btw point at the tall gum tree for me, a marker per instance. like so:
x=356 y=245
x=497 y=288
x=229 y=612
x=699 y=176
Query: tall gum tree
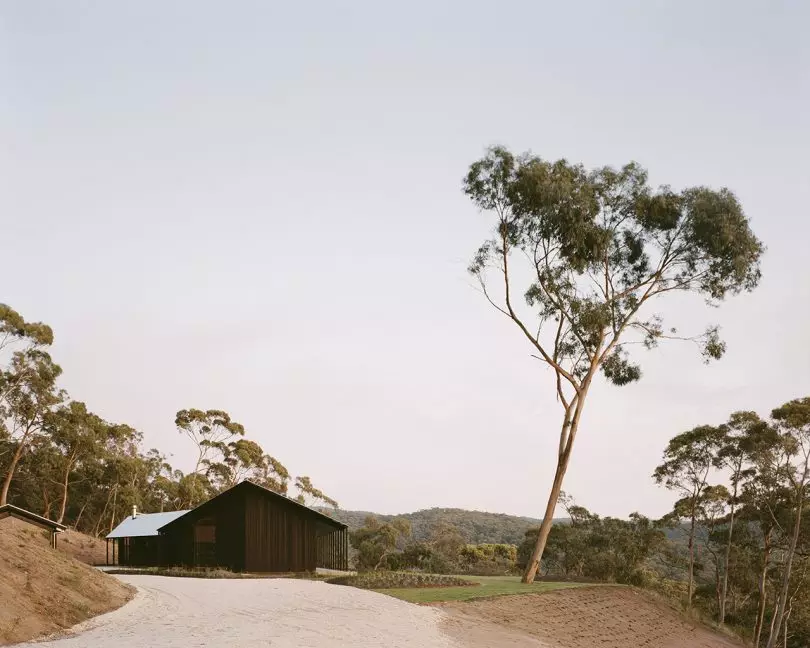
x=589 y=252
x=745 y=433
x=209 y=430
x=793 y=421
x=688 y=460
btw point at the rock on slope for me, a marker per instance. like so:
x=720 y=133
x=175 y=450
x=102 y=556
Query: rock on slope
x=42 y=590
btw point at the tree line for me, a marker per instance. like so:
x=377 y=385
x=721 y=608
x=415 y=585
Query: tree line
x=61 y=460
x=744 y=487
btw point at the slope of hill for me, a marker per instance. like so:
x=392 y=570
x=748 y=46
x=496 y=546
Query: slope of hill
x=42 y=590
x=84 y=548
x=604 y=616
x=475 y=526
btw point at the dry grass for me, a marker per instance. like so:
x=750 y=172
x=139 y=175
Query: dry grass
x=44 y=591
x=84 y=548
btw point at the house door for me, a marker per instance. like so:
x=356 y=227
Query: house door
x=205 y=543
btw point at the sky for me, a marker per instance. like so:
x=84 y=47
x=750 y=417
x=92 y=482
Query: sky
x=257 y=207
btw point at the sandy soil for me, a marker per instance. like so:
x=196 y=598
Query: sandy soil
x=84 y=548
x=282 y=613
x=42 y=590
x=608 y=617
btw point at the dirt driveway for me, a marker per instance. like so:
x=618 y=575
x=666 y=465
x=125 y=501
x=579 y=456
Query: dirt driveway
x=282 y=613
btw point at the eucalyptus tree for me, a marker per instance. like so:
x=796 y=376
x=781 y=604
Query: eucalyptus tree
x=78 y=434
x=793 y=420
x=307 y=489
x=208 y=431
x=27 y=404
x=590 y=252
x=745 y=432
x=764 y=499
x=688 y=461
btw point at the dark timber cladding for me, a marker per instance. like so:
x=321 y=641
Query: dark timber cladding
x=250 y=528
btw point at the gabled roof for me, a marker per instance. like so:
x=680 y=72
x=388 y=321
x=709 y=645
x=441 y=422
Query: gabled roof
x=9 y=510
x=143 y=524
x=320 y=517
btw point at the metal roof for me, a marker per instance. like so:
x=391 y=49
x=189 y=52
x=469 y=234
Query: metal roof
x=144 y=524
x=15 y=511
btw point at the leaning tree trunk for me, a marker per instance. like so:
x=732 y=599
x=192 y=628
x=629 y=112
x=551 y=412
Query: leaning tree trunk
x=794 y=540
x=548 y=520
x=79 y=516
x=65 y=487
x=11 y=468
x=569 y=426
x=766 y=556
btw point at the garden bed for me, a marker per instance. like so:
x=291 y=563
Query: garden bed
x=396 y=580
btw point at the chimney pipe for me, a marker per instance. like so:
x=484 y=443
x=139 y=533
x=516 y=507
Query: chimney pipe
x=134 y=511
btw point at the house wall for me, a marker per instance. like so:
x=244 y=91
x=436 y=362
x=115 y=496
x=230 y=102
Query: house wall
x=186 y=542
x=278 y=538
x=333 y=550
x=138 y=552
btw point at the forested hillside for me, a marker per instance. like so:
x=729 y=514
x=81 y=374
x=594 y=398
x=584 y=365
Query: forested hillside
x=476 y=527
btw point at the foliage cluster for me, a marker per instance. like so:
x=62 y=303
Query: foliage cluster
x=593 y=548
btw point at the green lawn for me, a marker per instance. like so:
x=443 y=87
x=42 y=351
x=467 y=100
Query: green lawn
x=489 y=586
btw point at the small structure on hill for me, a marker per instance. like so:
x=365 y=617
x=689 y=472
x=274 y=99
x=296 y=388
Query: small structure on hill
x=245 y=528
x=11 y=511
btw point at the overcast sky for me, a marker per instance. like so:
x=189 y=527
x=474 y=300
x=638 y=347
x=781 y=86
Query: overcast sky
x=257 y=207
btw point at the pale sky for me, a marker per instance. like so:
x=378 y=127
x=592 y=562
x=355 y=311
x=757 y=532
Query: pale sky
x=257 y=207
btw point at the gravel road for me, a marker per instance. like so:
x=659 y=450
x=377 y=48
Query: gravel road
x=282 y=613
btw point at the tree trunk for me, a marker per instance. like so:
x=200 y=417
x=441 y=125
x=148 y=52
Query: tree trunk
x=569 y=426
x=112 y=515
x=718 y=590
x=79 y=516
x=783 y=595
x=785 y=624
x=100 y=518
x=773 y=618
x=766 y=556
x=11 y=468
x=548 y=520
x=65 y=484
x=724 y=596
x=691 y=561
x=46 y=502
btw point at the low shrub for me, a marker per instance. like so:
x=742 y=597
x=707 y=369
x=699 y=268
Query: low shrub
x=396 y=580
x=183 y=572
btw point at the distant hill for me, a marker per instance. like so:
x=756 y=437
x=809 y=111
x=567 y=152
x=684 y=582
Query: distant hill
x=475 y=526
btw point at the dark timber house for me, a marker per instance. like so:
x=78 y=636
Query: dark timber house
x=245 y=528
